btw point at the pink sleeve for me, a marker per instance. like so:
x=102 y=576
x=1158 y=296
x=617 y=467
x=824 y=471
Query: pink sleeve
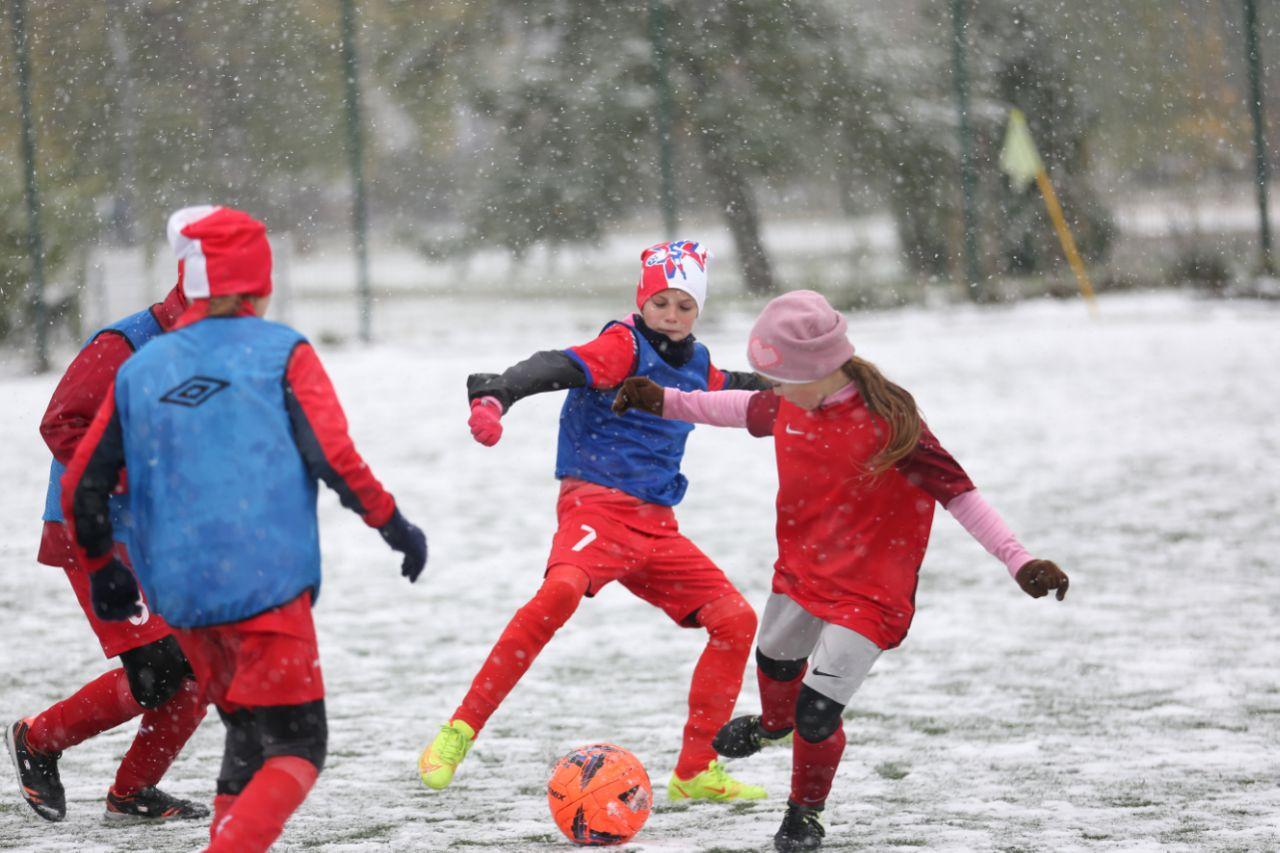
x=717 y=408
x=985 y=524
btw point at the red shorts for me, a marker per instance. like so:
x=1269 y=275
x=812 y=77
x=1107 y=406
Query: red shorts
x=268 y=659
x=116 y=638
x=611 y=535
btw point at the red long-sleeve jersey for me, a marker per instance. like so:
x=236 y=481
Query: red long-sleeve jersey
x=850 y=545
x=75 y=402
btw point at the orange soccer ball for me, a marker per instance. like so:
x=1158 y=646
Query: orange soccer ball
x=599 y=794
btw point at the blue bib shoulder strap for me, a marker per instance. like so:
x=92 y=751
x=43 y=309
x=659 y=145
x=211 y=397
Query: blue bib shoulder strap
x=137 y=329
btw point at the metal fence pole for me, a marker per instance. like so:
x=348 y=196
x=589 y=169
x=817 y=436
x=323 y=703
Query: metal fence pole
x=1260 y=164
x=355 y=151
x=968 y=178
x=658 y=36
x=35 y=243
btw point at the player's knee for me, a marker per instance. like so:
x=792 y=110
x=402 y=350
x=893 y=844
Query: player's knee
x=558 y=597
x=298 y=730
x=817 y=716
x=730 y=621
x=242 y=755
x=779 y=670
x=155 y=671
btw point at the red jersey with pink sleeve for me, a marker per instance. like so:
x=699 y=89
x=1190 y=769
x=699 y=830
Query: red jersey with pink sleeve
x=849 y=544
x=611 y=358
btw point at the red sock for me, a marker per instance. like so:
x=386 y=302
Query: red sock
x=778 y=700
x=222 y=804
x=525 y=635
x=257 y=816
x=813 y=766
x=102 y=704
x=717 y=679
x=161 y=736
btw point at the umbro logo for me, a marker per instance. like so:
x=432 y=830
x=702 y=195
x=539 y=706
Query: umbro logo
x=194 y=391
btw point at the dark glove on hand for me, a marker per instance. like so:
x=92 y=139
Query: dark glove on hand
x=1038 y=577
x=114 y=592
x=404 y=537
x=639 y=392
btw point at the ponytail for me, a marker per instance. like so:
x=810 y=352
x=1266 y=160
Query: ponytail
x=894 y=405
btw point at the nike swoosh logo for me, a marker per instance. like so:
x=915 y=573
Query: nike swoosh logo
x=817 y=671
x=791 y=431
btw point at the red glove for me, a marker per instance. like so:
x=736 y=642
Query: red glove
x=486 y=420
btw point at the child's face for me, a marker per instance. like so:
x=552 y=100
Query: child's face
x=809 y=395
x=671 y=312
x=806 y=395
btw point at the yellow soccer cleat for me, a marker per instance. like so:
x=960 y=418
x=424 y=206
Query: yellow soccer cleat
x=713 y=784
x=438 y=762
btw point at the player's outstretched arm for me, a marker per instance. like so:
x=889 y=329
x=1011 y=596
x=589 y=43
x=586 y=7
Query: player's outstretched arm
x=716 y=408
x=935 y=470
x=740 y=380
x=550 y=370
x=320 y=433
x=492 y=394
x=600 y=363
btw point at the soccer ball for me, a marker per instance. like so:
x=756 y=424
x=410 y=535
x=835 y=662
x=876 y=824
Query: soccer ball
x=599 y=795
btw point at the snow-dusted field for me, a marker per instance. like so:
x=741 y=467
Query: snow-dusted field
x=1140 y=451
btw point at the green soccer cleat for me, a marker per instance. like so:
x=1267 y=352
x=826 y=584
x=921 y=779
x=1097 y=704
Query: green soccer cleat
x=439 y=761
x=713 y=784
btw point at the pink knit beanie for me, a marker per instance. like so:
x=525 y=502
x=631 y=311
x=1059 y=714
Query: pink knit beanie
x=798 y=337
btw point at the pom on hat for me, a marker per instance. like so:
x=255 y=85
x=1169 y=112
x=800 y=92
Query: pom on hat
x=798 y=337
x=679 y=264
x=221 y=252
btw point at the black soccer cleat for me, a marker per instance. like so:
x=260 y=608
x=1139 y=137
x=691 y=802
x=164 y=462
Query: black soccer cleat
x=801 y=829
x=743 y=736
x=38 y=779
x=152 y=804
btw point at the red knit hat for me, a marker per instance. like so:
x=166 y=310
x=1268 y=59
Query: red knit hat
x=798 y=337
x=679 y=264
x=221 y=252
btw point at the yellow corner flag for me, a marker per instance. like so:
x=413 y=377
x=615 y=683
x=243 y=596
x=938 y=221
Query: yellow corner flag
x=1019 y=158
x=1021 y=162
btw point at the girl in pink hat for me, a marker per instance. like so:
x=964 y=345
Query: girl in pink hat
x=619 y=483
x=858 y=476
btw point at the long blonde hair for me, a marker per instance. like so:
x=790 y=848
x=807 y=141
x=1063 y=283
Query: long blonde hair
x=892 y=403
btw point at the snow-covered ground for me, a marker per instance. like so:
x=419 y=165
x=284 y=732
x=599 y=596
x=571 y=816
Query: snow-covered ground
x=1140 y=451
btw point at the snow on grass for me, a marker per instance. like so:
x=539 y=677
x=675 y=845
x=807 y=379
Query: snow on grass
x=1139 y=451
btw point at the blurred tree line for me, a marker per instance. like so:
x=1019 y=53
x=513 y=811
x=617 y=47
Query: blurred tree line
x=509 y=124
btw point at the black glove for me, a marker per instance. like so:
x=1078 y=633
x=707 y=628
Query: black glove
x=404 y=537
x=1039 y=577
x=114 y=592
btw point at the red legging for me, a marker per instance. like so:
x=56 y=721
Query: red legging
x=717 y=678
x=813 y=765
x=107 y=702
